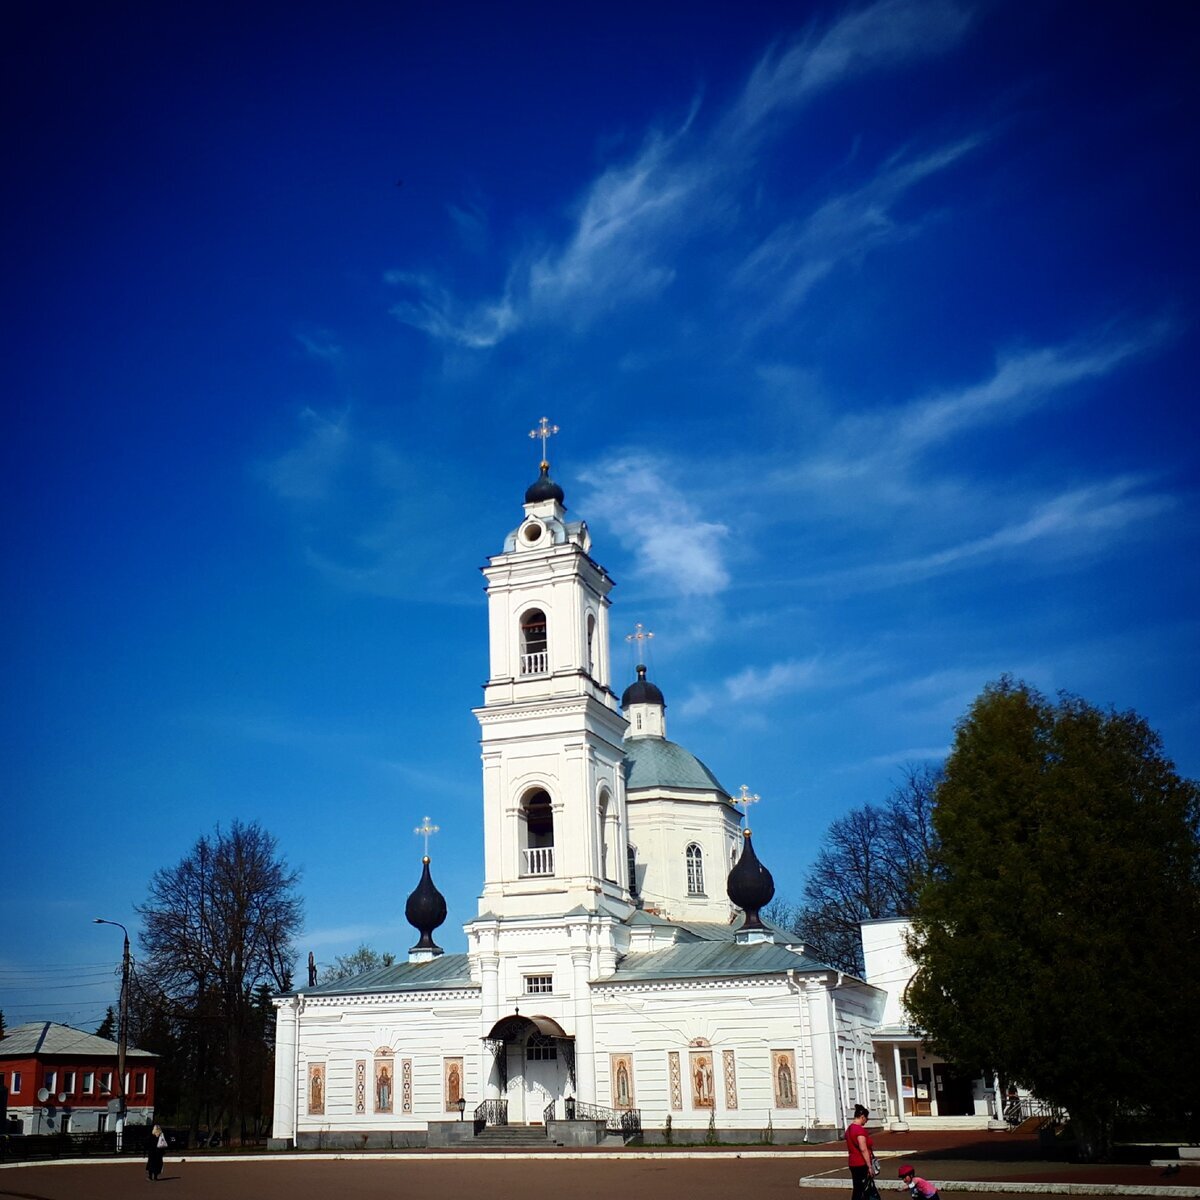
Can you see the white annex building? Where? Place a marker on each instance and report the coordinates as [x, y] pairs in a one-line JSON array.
[[617, 975]]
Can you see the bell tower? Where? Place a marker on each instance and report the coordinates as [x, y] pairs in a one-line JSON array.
[[555, 823]]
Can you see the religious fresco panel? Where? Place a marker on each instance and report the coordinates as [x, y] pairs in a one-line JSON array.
[[452, 1074], [700, 1072], [727, 1062], [385, 1084], [360, 1086], [783, 1076], [621, 1073], [406, 1103], [316, 1089], [676, 1088]]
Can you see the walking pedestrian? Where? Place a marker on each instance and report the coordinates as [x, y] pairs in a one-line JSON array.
[[861, 1151]]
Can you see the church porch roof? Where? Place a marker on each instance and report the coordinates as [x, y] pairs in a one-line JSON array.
[[703, 960], [445, 971]]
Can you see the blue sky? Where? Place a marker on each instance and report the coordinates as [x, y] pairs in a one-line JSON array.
[[871, 331]]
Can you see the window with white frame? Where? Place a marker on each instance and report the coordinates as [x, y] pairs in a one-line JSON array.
[[89, 1082], [139, 1083], [538, 985], [16, 1083], [69, 1082], [51, 1083], [106, 1081], [695, 870]]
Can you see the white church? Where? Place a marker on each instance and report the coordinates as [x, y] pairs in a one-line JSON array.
[[617, 979]]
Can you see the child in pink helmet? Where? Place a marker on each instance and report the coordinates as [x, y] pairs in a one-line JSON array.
[[918, 1188]]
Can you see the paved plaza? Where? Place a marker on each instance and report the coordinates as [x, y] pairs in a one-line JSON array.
[[978, 1164]]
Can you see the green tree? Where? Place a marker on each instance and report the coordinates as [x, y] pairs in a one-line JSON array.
[[1056, 940], [108, 1027], [345, 966]]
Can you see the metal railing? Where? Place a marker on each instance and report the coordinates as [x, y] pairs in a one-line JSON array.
[[491, 1112], [626, 1122], [538, 861], [1017, 1112], [537, 663], [548, 1114]]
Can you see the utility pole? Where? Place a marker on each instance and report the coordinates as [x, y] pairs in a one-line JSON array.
[[122, 1029]]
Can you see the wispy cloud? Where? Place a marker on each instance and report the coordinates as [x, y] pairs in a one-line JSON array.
[[1074, 524], [798, 254], [876, 37], [306, 472], [755, 687], [630, 221], [673, 546], [882, 447], [320, 343]]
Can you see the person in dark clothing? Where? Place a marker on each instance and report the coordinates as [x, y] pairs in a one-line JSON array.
[[156, 1143]]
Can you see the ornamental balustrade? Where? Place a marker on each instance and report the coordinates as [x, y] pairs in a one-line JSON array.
[[539, 860], [537, 663]]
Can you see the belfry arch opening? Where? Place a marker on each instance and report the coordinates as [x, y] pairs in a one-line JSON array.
[[537, 833], [535, 657]]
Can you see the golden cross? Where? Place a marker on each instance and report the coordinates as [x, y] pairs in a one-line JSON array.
[[640, 634], [426, 829], [545, 431], [746, 799]]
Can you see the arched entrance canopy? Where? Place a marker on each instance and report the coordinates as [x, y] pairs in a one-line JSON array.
[[516, 1028]]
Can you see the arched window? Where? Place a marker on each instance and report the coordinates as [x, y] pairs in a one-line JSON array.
[[602, 815], [534, 658], [631, 860], [537, 837], [695, 870], [591, 645]]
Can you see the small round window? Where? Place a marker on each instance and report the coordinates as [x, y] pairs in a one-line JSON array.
[[532, 532]]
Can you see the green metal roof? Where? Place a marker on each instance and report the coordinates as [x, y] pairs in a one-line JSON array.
[[445, 971], [698, 960], [652, 762]]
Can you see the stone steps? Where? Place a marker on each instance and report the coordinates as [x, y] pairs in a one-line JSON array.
[[512, 1136]]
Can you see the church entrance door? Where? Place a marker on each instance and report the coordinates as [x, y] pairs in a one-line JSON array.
[[541, 1083]]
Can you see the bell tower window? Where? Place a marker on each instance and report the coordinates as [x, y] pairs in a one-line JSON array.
[[631, 858], [537, 834], [591, 645], [695, 870], [534, 657]]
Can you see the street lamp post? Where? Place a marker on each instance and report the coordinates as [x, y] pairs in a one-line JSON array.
[[122, 1029]]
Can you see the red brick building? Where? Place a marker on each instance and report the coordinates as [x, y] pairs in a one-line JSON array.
[[76, 1073]]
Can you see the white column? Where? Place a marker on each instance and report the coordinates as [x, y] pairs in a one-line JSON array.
[[490, 969], [283, 1124], [899, 1124], [585, 1047], [827, 1108]]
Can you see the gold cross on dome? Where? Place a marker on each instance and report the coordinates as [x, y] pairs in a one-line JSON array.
[[426, 829], [639, 635], [746, 798], [545, 431]]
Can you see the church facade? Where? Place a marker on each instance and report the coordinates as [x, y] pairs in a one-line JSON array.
[[617, 969]]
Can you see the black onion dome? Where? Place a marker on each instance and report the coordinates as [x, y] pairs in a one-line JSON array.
[[543, 488], [426, 909], [642, 692], [750, 885]]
